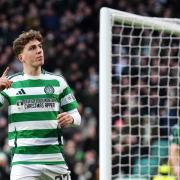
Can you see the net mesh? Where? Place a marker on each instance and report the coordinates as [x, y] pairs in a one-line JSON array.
[[145, 97]]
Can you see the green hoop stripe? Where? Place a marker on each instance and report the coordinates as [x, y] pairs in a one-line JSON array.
[[40, 133], [47, 149], [71, 106], [65, 92], [33, 116], [35, 83], [5, 96]]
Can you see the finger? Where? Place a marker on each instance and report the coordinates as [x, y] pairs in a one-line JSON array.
[[5, 73], [61, 124], [4, 85], [9, 84], [6, 82], [64, 123], [64, 118], [61, 115]]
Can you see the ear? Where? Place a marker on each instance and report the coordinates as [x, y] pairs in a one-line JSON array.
[[20, 58]]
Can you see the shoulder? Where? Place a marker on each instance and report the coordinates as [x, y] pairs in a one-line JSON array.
[[16, 77], [176, 126], [175, 129], [60, 78], [53, 75]]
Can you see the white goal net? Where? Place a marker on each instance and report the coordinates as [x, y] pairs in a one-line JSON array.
[[139, 93]]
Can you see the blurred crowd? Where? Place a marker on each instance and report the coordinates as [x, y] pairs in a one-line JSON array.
[[145, 101], [145, 95], [71, 40]]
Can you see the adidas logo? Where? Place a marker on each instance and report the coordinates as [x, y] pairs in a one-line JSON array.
[[21, 91]]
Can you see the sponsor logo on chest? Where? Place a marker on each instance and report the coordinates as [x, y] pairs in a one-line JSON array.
[[38, 102]]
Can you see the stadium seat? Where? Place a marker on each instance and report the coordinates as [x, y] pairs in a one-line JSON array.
[[145, 167], [159, 148]]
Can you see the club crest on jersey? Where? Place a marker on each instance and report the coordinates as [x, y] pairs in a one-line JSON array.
[[49, 89]]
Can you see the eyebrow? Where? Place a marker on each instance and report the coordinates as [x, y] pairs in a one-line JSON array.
[[40, 44]]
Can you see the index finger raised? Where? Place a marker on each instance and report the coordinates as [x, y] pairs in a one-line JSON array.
[[5, 73]]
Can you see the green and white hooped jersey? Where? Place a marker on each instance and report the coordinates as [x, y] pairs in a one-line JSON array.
[[175, 135], [34, 103]]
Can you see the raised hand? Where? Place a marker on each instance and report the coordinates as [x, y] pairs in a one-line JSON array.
[[5, 83]]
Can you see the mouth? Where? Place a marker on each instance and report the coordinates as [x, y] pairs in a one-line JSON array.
[[39, 58]]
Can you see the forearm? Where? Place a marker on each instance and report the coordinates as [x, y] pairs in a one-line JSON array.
[[76, 116], [174, 156]]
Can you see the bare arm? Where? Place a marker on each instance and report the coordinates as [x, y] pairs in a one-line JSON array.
[[174, 159]]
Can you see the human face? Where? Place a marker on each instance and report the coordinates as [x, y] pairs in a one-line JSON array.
[[32, 55]]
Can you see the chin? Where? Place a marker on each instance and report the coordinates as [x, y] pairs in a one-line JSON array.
[[40, 63]]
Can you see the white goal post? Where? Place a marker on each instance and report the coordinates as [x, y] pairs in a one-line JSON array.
[[139, 71]]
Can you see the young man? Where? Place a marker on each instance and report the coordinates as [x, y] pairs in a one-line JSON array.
[[40, 104]]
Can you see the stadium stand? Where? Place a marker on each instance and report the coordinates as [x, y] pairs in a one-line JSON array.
[[70, 28]]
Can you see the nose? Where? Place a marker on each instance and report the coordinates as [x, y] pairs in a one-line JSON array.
[[39, 50]]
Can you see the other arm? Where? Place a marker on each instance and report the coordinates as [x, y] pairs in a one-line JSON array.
[[68, 103], [174, 159]]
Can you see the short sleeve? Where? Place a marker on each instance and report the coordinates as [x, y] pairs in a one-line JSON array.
[[174, 139], [2, 99]]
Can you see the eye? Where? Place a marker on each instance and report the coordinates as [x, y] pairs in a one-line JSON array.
[[32, 47]]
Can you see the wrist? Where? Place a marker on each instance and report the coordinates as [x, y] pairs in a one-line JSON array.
[[76, 117]]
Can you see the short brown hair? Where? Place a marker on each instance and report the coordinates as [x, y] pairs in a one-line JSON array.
[[24, 38]]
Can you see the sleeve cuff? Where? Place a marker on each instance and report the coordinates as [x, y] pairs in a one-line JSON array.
[[76, 116]]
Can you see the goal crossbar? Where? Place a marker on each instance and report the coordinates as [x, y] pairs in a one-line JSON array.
[[155, 23]]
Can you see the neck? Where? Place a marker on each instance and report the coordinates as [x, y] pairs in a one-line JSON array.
[[32, 71]]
